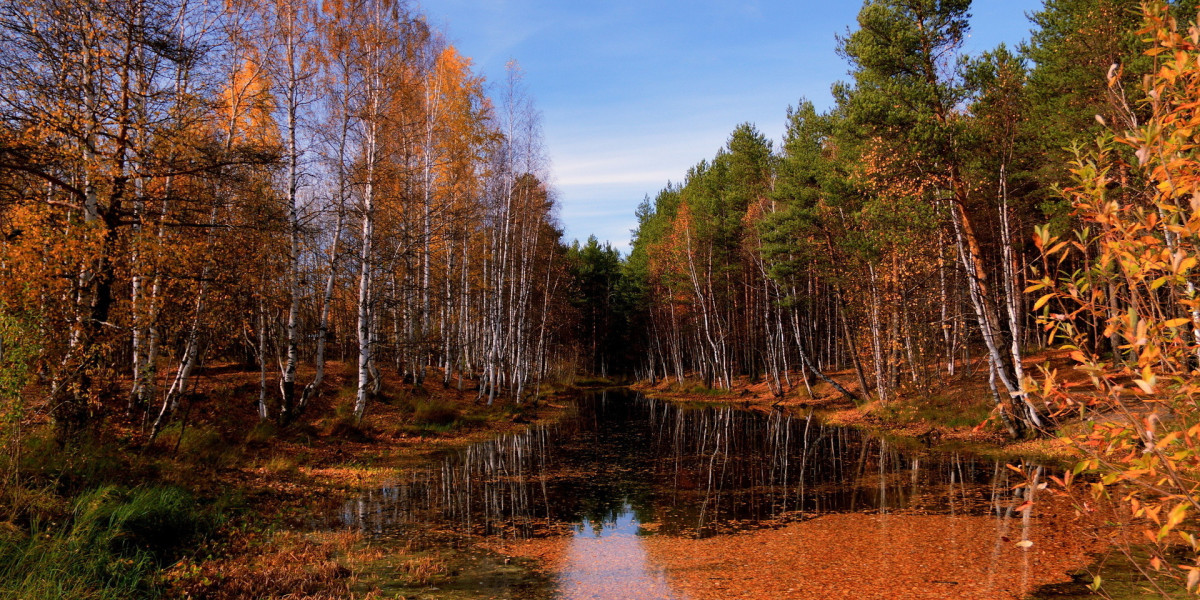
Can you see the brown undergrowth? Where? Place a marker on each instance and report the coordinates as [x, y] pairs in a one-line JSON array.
[[273, 483], [289, 564]]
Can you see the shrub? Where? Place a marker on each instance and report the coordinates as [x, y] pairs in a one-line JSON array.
[[1119, 294]]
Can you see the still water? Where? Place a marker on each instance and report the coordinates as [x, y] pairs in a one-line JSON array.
[[626, 487]]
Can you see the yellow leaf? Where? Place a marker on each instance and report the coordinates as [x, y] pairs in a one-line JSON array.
[[1180, 322], [1174, 518], [1042, 301], [1177, 515]]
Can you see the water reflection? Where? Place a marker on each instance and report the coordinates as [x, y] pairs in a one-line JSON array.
[[685, 471], [607, 559]]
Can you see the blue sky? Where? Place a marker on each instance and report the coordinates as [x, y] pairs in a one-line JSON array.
[[634, 92]]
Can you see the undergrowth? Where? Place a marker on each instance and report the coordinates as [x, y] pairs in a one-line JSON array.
[[954, 412], [111, 545]]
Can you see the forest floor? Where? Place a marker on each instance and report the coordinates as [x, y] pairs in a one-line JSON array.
[[278, 490], [956, 410]]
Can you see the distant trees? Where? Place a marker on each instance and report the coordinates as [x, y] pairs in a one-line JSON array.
[[262, 181], [695, 247], [601, 304], [847, 240]]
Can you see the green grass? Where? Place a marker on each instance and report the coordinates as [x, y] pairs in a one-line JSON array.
[[938, 410], [206, 447], [702, 390], [111, 546], [87, 463], [436, 417], [593, 382], [261, 434], [953, 412]]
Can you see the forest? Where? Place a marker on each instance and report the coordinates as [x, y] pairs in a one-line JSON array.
[[268, 183], [301, 228], [903, 232], [955, 213]]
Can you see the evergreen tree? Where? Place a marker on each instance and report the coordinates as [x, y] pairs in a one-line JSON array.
[[1076, 47], [596, 271]]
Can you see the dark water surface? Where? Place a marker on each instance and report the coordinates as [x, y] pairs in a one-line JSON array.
[[622, 466]]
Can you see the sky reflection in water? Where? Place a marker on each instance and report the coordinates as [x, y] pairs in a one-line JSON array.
[[608, 560]]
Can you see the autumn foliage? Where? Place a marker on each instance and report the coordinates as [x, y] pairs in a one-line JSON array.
[[1119, 294], [264, 183]]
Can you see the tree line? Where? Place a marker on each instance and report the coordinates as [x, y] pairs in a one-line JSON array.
[[270, 182], [896, 233]]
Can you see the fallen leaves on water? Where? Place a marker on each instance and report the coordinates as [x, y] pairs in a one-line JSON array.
[[854, 555], [874, 556]]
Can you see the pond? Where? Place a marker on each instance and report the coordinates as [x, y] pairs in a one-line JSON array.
[[632, 497]]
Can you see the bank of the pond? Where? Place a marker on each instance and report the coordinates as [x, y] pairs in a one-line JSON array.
[[960, 415], [264, 496], [297, 478], [285, 548], [261, 495], [959, 412]]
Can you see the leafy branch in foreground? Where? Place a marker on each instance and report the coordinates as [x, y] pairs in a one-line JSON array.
[[1119, 294]]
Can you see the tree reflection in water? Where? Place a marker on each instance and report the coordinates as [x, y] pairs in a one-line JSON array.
[[685, 471]]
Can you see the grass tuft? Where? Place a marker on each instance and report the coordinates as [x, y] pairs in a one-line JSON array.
[[425, 570], [261, 434], [435, 413], [111, 546]]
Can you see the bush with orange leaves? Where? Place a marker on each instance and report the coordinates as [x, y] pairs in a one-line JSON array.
[[1120, 293]]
